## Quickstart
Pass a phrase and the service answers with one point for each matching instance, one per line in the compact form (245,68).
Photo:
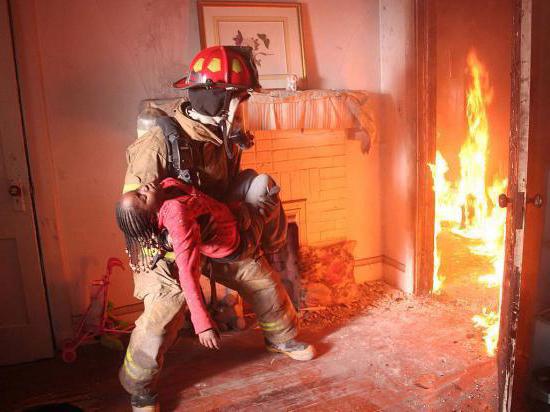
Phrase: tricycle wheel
(68,355)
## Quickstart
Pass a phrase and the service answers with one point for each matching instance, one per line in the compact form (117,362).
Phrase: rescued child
(173,215)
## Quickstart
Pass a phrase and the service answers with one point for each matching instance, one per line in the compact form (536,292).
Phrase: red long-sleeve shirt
(179,216)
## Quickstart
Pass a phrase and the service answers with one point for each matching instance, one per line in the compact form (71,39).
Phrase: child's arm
(185,234)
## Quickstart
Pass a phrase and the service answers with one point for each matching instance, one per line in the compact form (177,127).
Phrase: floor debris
(385,352)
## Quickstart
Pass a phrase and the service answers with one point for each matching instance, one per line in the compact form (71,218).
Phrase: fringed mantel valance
(313,109)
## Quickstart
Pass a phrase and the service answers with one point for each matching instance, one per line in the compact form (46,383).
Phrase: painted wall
(97,60)
(540,107)
(341,42)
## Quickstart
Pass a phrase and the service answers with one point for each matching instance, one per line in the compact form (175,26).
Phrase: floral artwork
(273,31)
(254,42)
(266,39)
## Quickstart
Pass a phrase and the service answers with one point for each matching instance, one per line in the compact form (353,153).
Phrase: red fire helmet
(222,66)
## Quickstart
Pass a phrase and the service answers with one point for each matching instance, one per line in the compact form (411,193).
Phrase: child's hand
(210,338)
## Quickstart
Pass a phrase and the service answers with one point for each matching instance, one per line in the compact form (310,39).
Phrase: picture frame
(273,30)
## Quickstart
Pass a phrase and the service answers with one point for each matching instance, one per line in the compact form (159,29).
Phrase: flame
(443,211)
(489,321)
(469,203)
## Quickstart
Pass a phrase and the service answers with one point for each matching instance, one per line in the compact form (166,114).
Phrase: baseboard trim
(394,263)
(380,259)
(369,260)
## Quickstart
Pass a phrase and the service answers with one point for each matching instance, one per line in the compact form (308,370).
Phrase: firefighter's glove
(210,339)
(245,140)
(269,201)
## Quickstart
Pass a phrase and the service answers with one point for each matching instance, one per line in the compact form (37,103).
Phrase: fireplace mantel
(313,109)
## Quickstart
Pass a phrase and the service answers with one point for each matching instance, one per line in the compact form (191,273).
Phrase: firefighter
(198,141)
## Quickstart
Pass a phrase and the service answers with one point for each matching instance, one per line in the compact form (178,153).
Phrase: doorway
(472,113)
(524,280)
(25,332)
(464,88)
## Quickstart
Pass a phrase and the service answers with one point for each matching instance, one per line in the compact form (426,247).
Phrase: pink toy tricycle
(95,322)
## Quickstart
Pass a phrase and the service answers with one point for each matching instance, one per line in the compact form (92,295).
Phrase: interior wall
(539,123)
(97,61)
(341,44)
(533,329)
(398,146)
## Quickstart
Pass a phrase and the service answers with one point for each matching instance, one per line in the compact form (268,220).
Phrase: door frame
(534,163)
(26,333)
(517,187)
(425,144)
(28,61)
(517,175)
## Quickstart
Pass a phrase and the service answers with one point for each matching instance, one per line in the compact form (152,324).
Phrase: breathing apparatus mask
(209,102)
(216,105)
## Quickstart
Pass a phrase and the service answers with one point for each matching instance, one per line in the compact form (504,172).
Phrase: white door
(25,332)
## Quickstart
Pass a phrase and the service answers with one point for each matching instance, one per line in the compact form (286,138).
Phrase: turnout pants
(164,303)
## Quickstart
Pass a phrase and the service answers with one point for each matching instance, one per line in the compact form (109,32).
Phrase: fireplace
(316,145)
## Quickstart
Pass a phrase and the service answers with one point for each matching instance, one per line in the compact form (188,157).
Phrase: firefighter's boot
(292,348)
(145,403)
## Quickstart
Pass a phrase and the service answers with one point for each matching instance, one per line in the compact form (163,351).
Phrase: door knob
(14,191)
(535,200)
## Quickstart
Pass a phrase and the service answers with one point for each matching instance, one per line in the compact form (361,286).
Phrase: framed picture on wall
(273,30)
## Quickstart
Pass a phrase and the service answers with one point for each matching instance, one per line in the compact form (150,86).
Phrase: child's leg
(252,188)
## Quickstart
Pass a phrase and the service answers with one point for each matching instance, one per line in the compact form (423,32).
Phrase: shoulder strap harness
(184,154)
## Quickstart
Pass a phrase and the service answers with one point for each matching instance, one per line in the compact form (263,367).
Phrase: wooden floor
(405,354)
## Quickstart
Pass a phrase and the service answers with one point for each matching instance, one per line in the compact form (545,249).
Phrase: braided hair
(141,234)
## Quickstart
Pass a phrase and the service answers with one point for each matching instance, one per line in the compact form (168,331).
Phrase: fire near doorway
(472,110)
